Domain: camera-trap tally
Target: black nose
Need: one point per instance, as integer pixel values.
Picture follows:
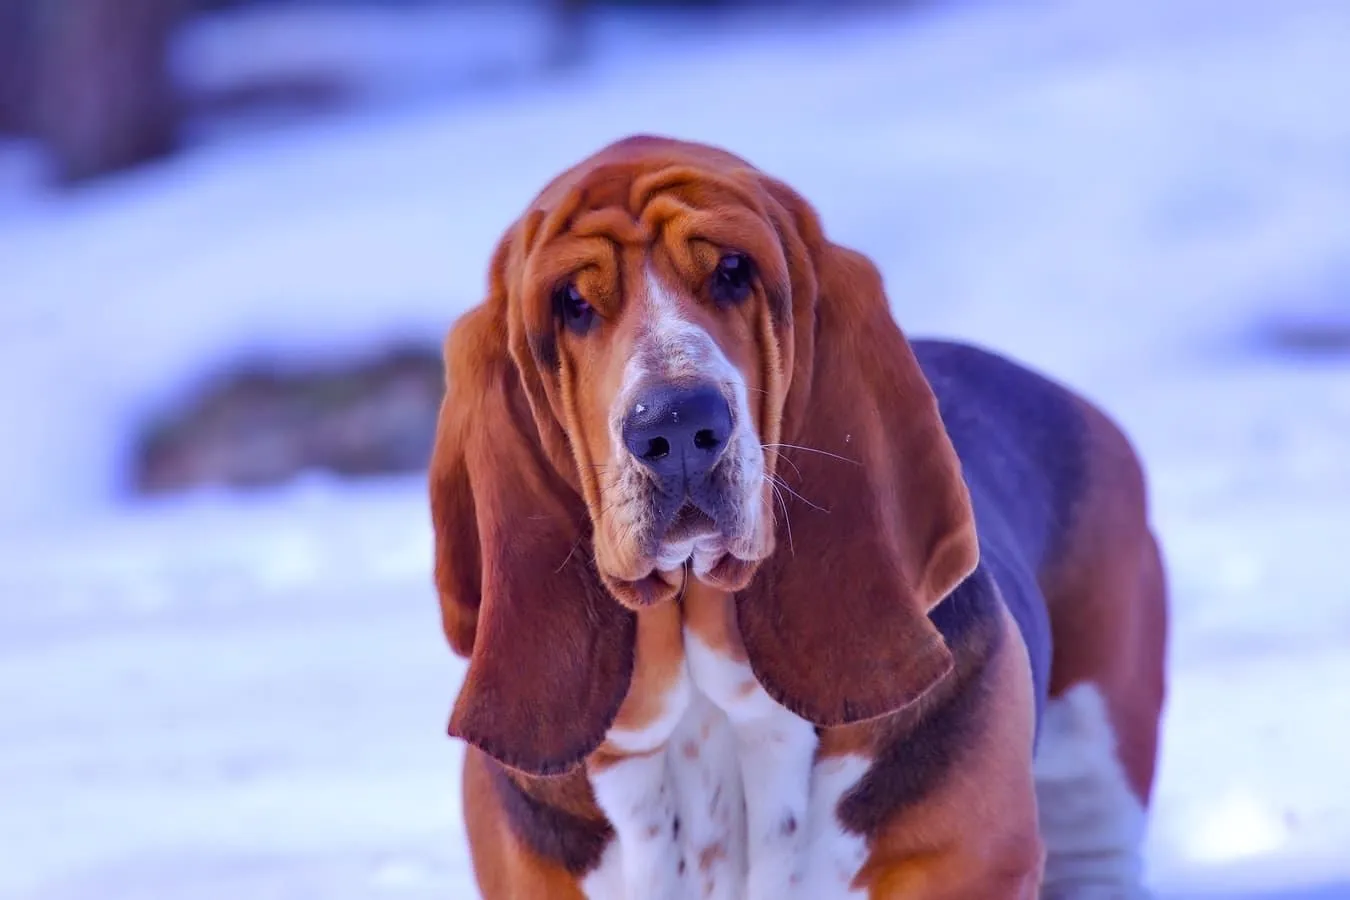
(678, 431)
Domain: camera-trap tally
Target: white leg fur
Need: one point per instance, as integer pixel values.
(639, 800)
(835, 855)
(711, 803)
(677, 808)
(1091, 822)
(795, 845)
(776, 752)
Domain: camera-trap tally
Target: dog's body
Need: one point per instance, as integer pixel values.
(846, 705)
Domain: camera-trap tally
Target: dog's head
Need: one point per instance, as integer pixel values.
(675, 375)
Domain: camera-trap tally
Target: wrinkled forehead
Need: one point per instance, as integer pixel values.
(660, 206)
(638, 155)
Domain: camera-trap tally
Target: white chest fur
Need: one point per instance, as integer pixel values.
(723, 798)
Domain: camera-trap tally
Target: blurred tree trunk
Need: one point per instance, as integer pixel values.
(16, 64)
(103, 97)
(569, 33)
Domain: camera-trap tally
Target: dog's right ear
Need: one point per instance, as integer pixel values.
(550, 651)
(894, 531)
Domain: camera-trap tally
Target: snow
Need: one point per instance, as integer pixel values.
(245, 695)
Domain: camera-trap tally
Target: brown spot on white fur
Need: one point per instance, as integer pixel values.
(709, 855)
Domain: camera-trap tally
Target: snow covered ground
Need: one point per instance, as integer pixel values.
(245, 696)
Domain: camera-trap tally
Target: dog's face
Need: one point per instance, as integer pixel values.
(662, 367)
(651, 298)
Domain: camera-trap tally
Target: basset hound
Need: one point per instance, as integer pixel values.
(761, 599)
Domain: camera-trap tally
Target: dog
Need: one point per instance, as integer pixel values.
(759, 598)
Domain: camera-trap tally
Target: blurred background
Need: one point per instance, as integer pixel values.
(233, 234)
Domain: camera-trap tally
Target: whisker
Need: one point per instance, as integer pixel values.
(787, 521)
(784, 458)
(814, 450)
(785, 486)
(568, 558)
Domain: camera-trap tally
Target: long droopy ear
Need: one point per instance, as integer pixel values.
(550, 653)
(877, 528)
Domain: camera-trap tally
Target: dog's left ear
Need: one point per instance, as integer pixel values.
(550, 652)
(878, 527)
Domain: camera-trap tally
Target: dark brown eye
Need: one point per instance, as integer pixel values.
(732, 279)
(576, 313)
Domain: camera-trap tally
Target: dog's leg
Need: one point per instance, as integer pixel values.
(1107, 597)
(1091, 821)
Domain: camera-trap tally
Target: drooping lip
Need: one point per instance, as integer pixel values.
(705, 515)
(690, 522)
(729, 572)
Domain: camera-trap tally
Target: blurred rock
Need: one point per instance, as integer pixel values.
(1311, 320)
(1310, 335)
(262, 424)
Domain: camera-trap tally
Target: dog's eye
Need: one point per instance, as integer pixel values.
(576, 313)
(732, 279)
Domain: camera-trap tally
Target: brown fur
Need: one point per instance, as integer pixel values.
(711, 614)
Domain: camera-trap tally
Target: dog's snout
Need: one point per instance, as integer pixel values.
(678, 431)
